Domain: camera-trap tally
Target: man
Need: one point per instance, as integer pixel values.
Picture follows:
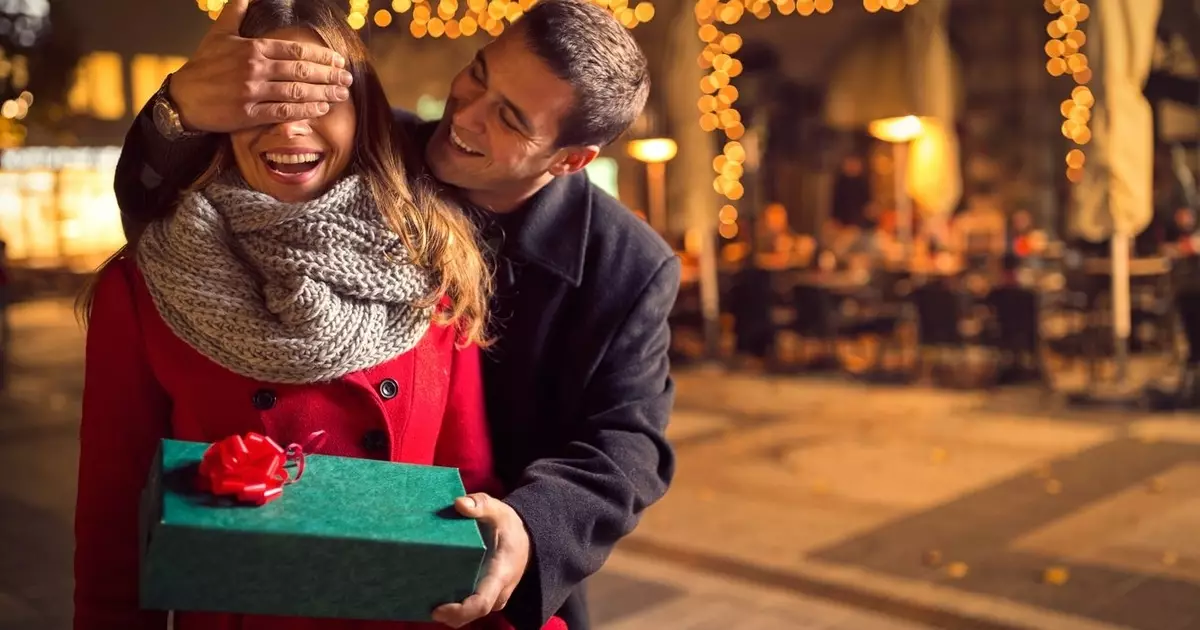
(577, 385)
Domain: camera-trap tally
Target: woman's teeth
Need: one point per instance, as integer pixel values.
(292, 158)
(292, 163)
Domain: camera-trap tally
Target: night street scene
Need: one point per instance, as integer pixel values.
(879, 314)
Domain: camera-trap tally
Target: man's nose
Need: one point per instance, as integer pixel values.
(470, 114)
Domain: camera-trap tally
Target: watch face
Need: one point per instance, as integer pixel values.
(164, 119)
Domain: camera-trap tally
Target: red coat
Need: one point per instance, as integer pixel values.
(142, 383)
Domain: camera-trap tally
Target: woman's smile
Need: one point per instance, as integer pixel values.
(292, 165)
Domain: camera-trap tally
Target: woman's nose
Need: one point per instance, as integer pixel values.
(294, 128)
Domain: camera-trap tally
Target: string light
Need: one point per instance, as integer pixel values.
(1064, 50)
(719, 94)
(453, 19)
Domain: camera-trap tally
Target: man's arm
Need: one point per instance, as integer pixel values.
(153, 170)
(617, 463)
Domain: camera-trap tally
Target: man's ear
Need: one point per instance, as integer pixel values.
(574, 159)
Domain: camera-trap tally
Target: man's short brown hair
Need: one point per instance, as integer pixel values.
(586, 46)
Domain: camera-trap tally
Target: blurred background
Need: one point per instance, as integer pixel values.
(935, 346)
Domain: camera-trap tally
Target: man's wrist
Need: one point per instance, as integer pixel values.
(168, 120)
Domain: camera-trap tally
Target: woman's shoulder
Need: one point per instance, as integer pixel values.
(444, 331)
(118, 272)
(118, 279)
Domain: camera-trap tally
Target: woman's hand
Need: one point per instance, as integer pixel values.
(234, 83)
(508, 555)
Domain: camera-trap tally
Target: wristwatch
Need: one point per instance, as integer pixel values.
(166, 116)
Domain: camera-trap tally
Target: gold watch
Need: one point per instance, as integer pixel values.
(166, 116)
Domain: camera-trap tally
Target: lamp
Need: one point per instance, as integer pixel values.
(655, 153)
(899, 131)
(653, 150)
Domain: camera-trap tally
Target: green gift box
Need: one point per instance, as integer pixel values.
(352, 539)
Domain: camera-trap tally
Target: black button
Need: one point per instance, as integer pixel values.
(375, 440)
(150, 178)
(263, 399)
(388, 388)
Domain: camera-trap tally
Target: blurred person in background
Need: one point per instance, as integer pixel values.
(777, 241)
(577, 383)
(852, 194)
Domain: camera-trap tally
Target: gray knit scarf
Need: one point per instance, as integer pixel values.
(285, 292)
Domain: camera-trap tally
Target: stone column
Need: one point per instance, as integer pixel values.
(692, 202)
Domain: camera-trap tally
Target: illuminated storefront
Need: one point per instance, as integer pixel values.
(57, 207)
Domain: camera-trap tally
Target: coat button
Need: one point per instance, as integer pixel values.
(375, 440)
(388, 388)
(263, 399)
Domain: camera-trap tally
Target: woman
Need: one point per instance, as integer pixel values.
(304, 284)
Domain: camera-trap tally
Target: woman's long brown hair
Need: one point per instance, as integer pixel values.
(439, 236)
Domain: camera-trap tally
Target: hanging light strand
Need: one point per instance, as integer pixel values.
(1066, 58)
(453, 19)
(719, 95)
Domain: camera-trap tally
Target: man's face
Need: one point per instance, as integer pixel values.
(498, 136)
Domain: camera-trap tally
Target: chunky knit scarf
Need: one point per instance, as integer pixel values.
(285, 292)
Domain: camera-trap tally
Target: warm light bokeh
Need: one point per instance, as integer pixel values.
(451, 19)
(898, 129)
(1065, 58)
(652, 150)
(57, 206)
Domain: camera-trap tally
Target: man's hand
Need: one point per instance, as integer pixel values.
(234, 83)
(508, 555)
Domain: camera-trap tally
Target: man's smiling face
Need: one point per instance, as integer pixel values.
(498, 138)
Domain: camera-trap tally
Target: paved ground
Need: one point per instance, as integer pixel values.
(799, 503)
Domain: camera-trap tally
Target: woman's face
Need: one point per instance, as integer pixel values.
(300, 160)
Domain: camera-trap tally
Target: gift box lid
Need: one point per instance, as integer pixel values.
(352, 539)
(337, 496)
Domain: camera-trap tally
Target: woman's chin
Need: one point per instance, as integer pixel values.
(294, 194)
(295, 189)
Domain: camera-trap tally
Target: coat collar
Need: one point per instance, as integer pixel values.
(554, 229)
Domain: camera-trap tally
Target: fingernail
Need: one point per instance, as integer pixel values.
(322, 108)
(345, 78)
(469, 502)
(339, 61)
(341, 93)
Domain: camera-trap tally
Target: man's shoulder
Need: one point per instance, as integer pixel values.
(407, 119)
(414, 126)
(616, 231)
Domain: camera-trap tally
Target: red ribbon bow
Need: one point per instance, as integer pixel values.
(252, 468)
